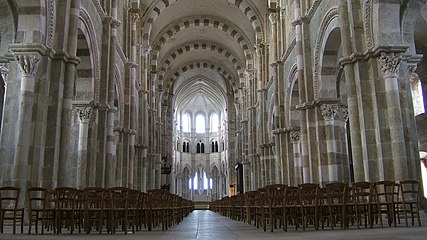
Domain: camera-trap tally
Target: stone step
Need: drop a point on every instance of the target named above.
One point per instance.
(201, 205)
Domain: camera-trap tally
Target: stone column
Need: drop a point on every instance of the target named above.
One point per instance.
(345, 166)
(408, 111)
(389, 63)
(252, 170)
(63, 163)
(3, 71)
(110, 172)
(295, 138)
(352, 98)
(297, 23)
(246, 175)
(330, 171)
(28, 64)
(85, 115)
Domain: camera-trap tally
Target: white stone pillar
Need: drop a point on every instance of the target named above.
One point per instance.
(28, 64)
(295, 138)
(389, 63)
(110, 170)
(297, 23)
(352, 97)
(330, 171)
(85, 115)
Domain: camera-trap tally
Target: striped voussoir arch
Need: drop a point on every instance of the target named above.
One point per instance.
(208, 21)
(203, 64)
(161, 5)
(200, 46)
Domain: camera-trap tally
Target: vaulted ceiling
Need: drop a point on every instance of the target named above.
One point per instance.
(202, 46)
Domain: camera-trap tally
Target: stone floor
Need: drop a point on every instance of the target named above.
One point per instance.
(202, 224)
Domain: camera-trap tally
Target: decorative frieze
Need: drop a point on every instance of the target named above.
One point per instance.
(390, 63)
(50, 22)
(329, 111)
(367, 22)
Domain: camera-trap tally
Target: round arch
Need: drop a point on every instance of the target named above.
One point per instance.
(160, 5)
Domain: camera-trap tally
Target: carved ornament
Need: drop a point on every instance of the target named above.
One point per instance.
(28, 64)
(390, 63)
(329, 111)
(295, 136)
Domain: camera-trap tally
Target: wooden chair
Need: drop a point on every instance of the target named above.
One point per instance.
(276, 193)
(145, 210)
(336, 200)
(95, 209)
(291, 207)
(123, 209)
(238, 203)
(40, 209)
(158, 201)
(309, 204)
(366, 203)
(387, 199)
(65, 205)
(410, 200)
(9, 210)
(262, 211)
(350, 209)
(250, 206)
(323, 207)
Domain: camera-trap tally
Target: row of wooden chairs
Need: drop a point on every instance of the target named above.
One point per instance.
(93, 209)
(361, 204)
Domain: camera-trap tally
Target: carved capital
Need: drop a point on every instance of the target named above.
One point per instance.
(134, 17)
(296, 22)
(273, 17)
(412, 68)
(295, 136)
(28, 64)
(259, 48)
(85, 113)
(329, 111)
(390, 63)
(154, 75)
(344, 114)
(4, 70)
(115, 23)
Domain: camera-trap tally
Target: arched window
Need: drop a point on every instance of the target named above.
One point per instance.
(190, 186)
(195, 183)
(185, 146)
(214, 122)
(214, 146)
(205, 181)
(186, 123)
(417, 95)
(200, 147)
(200, 123)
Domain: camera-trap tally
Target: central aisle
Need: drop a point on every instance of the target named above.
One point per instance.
(207, 225)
